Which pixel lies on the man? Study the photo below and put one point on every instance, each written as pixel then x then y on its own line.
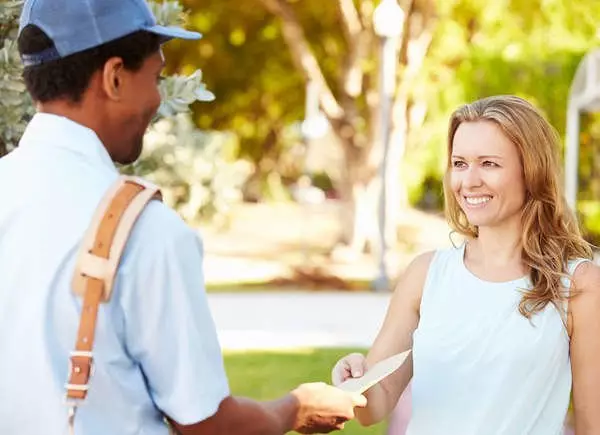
pixel 92 68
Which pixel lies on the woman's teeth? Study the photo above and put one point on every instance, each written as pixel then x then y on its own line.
pixel 477 200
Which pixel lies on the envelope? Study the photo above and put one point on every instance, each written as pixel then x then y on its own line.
pixel 375 374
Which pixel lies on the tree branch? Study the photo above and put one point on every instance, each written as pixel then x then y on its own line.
pixel 419 24
pixel 357 41
pixel 418 34
pixel 352 25
pixel 303 57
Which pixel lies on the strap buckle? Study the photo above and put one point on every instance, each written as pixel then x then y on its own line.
pixel 81 368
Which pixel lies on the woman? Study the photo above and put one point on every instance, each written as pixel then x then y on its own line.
pixel 497 340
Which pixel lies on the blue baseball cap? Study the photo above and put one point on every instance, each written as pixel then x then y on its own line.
pixel 78 25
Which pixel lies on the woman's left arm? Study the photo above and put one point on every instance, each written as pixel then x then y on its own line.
pixel 585 349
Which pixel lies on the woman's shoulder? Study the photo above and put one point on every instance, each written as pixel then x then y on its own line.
pixel 574 263
pixel 412 278
pixel 585 274
pixel 585 304
pixel 423 264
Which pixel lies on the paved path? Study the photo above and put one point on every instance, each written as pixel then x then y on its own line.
pixel 273 320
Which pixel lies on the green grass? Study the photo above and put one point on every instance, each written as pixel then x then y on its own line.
pixel 267 375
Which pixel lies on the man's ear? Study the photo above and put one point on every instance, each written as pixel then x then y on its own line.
pixel 113 78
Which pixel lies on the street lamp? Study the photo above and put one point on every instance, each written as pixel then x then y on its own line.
pixel 388 21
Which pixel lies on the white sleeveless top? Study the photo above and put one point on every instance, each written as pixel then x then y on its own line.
pixel 480 367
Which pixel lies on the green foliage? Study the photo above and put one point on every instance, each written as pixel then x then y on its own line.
pixel 191 168
pixel 15 104
pixel 589 176
pixel 505 47
pixel 188 164
pixel 169 13
pixel 247 66
pixel 179 92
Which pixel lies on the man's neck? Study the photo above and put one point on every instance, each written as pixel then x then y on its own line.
pixel 80 114
pixel 73 111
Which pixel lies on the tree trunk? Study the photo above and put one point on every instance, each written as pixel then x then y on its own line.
pixel 360 187
pixel 366 187
pixel 355 187
pixel 365 199
pixel 397 197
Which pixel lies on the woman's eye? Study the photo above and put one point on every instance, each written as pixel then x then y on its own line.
pixel 458 164
pixel 491 164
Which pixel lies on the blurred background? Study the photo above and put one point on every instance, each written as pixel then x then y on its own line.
pixel 294 136
pixel 306 141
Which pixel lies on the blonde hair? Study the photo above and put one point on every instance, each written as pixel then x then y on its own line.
pixel 551 235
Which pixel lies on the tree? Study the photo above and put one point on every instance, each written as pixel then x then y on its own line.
pixel 247 66
pixel 15 104
pixel 477 48
pixel 351 104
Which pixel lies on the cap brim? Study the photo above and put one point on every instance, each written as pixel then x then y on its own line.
pixel 169 33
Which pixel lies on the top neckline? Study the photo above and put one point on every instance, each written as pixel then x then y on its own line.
pixel 462 250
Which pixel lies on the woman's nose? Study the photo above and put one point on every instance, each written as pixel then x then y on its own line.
pixel 472 177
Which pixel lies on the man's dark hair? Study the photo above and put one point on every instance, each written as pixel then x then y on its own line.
pixel 69 77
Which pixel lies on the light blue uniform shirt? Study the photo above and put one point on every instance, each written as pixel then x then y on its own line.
pixel 156 347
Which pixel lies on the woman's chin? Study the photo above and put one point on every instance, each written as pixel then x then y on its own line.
pixel 477 218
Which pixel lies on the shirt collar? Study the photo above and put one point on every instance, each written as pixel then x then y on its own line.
pixel 50 130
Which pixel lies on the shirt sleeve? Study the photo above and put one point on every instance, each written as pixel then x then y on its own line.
pixel 169 330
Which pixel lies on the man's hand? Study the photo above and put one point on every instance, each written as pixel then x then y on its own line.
pixel 323 408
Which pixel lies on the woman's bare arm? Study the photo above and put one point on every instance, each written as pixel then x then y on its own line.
pixel 395 336
pixel 585 349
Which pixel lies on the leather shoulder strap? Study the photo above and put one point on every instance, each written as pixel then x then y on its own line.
pixel 97 263
pixel 107 234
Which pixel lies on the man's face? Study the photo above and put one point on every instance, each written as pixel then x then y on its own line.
pixel 138 105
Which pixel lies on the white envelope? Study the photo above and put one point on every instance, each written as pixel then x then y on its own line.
pixel 375 374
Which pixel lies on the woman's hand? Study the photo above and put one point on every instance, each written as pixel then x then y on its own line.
pixel 353 365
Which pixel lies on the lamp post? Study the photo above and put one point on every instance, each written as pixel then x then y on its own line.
pixel 388 21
